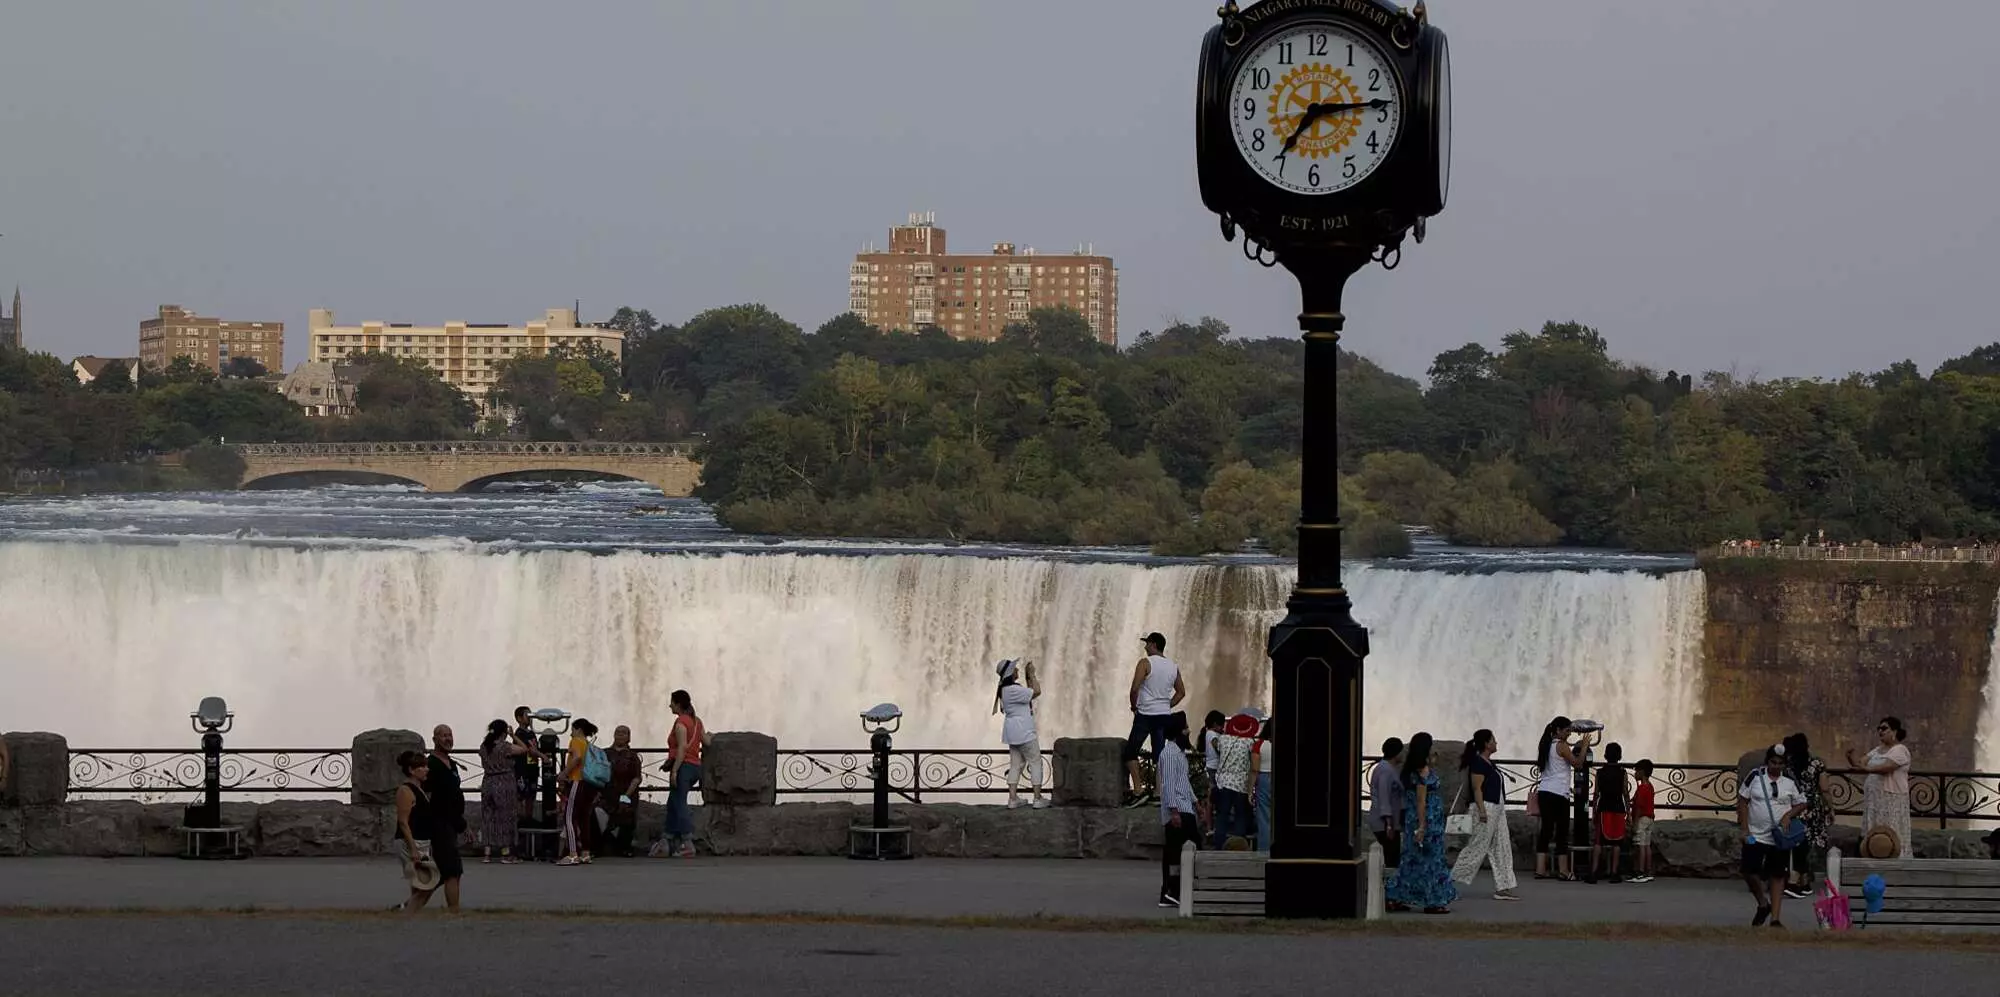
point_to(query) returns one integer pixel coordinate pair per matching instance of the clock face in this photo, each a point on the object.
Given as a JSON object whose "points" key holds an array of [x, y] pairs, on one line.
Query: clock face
{"points": [[1316, 108], [1443, 122]]}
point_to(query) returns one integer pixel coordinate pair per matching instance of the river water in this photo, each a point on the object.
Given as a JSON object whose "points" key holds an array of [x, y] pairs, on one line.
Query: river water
{"points": [[321, 613]]}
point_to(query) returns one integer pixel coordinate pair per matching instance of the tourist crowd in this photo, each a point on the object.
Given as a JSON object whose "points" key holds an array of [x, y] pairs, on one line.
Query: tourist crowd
{"points": [[1216, 792], [593, 807]]}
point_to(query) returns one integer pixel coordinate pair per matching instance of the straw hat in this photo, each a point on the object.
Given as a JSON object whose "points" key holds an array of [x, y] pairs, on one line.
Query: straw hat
{"points": [[1881, 843], [423, 872]]}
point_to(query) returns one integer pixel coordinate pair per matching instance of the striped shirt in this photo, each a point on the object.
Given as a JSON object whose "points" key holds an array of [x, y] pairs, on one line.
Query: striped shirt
{"points": [[1176, 793]]}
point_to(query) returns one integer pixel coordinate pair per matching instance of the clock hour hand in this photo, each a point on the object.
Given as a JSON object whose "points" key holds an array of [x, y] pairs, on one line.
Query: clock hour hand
{"points": [[1314, 112]]}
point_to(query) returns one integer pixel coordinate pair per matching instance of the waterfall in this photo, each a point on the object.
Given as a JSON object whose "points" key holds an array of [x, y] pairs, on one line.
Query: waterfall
{"points": [[112, 644], [1987, 745]]}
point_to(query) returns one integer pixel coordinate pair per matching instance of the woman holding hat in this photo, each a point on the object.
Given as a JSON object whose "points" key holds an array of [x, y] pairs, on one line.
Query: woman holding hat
{"points": [[1885, 796], [414, 825], [1015, 700]]}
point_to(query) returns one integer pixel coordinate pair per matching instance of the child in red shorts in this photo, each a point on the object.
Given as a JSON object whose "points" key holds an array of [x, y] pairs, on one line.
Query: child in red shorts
{"points": [[1614, 804]]}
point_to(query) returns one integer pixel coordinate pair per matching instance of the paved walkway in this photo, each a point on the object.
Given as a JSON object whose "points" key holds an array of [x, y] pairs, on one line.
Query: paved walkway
{"points": [[206, 955], [923, 888]]}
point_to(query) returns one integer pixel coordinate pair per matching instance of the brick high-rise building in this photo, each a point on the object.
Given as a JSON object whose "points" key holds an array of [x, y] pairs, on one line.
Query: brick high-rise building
{"points": [[974, 296], [209, 342]]}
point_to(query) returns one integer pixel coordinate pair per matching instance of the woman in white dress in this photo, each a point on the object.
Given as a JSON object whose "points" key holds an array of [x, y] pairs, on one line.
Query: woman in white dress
{"points": [[1885, 796], [1015, 701]]}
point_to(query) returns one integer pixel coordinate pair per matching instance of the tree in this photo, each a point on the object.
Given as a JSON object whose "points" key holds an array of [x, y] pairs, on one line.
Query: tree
{"points": [[244, 368], [183, 369], [1406, 487], [218, 467], [1489, 508], [114, 378]]}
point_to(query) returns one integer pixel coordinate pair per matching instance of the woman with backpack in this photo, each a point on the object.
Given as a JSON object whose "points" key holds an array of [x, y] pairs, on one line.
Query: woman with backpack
{"points": [[580, 791]]}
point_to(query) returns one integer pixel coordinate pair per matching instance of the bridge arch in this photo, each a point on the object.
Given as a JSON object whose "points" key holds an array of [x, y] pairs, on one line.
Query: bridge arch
{"points": [[310, 478], [531, 474]]}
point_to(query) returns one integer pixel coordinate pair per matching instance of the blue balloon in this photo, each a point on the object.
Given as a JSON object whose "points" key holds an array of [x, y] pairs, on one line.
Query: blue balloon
{"points": [[1874, 889]]}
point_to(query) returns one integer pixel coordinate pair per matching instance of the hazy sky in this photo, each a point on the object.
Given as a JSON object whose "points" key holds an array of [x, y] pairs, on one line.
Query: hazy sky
{"points": [[1788, 187]]}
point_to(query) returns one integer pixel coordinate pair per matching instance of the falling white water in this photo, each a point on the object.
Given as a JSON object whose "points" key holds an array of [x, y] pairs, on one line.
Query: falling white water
{"points": [[1452, 653], [113, 644], [1987, 744]]}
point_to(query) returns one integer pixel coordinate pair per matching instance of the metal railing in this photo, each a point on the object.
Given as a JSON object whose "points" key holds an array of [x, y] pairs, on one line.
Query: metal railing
{"points": [[327, 772], [1984, 554], [914, 773], [1944, 797], [465, 447]]}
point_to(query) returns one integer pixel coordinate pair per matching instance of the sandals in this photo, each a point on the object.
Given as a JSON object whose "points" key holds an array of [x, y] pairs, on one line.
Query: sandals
{"points": [[569, 860]]}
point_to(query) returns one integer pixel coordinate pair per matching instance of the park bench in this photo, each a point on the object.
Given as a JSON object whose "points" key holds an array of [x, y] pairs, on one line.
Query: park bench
{"points": [[1955, 892], [1231, 884]]}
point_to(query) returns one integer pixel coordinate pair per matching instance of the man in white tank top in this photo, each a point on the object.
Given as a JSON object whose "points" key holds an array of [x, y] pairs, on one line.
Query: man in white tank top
{"points": [[1156, 690]]}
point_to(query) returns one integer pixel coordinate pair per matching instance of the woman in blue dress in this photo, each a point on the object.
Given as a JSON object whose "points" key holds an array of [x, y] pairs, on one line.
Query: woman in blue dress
{"points": [[1423, 880]]}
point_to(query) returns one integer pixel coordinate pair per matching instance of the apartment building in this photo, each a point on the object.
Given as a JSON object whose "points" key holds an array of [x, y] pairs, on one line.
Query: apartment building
{"points": [[464, 354], [210, 342], [918, 283]]}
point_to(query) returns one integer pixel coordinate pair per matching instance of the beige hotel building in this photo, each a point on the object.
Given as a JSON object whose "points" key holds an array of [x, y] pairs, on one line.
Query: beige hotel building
{"points": [[464, 354], [975, 295], [209, 342]]}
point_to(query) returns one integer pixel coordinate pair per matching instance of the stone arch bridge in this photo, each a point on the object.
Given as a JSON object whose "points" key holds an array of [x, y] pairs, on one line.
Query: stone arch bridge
{"points": [[469, 465]]}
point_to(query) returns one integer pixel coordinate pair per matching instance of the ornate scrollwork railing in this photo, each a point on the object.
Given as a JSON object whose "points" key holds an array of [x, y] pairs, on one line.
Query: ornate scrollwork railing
{"points": [[260, 770], [483, 448], [912, 773], [1940, 797], [1936, 798]]}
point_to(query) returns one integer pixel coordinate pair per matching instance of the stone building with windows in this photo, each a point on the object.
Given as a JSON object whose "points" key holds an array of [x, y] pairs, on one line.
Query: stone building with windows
{"points": [[918, 283], [10, 325], [209, 342], [465, 355]]}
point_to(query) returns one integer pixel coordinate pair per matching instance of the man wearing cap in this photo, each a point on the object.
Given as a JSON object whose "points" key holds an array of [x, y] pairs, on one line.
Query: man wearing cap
{"points": [[1156, 690]]}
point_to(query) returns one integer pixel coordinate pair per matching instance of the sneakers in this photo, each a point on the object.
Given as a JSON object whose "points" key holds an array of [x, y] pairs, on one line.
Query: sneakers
{"points": [[1798, 892], [1041, 803], [1134, 801], [1640, 878], [1169, 900], [1014, 804], [1763, 914], [1506, 895]]}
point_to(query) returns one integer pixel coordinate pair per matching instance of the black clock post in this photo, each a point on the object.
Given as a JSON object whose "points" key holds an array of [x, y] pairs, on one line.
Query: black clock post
{"points": [[1323, 135]]}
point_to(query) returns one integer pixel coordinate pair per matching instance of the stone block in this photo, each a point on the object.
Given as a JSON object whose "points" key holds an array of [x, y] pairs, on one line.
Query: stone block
{"points": [[12, 842], [740, 768], [1089, 771], [157, 834], [791, 829], [375, 775], [1024, 833], [315, 828], [100, 829], [1119, 833], [38, 773], [936, 830], [1703, 848]]}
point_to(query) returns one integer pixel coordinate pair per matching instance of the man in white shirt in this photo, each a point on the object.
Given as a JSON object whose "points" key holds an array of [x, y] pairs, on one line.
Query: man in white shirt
{"points": [[1765, 803], [1156, 691]]}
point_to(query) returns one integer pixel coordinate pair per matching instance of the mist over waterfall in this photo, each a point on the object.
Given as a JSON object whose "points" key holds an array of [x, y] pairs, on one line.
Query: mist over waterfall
{"points": [[112, 644]]}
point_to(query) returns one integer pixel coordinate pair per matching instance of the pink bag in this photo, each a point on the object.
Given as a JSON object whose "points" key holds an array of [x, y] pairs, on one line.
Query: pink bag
{"points": [[1831, 908]]}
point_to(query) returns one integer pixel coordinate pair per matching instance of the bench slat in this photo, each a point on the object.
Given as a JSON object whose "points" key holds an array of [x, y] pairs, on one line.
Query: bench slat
{"points": [[1224, 860], [1902, 892], [1907, 905], [1229, 888], [1205, 876], [1918, 917], [1852, 878], [1228, 910]]}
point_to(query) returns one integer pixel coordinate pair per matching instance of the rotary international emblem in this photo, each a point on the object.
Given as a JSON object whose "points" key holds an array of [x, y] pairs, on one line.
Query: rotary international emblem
{"points": [[1316, 83]]}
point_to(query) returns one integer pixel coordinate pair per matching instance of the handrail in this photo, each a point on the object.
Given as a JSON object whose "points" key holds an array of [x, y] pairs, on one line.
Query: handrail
{"points": [[913, 772], [1984, 554], [462, 447]]}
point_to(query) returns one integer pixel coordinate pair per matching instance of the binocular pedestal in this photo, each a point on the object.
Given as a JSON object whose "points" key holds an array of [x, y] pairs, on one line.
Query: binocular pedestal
{"points": [[879, 839]]}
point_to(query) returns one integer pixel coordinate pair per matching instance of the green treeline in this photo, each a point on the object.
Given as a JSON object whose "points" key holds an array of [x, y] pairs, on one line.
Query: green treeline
{"points": [[1186, 441]]}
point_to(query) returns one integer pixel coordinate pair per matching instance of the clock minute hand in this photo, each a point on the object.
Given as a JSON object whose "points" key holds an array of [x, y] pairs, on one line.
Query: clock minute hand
{"points": [[1314, 112]]}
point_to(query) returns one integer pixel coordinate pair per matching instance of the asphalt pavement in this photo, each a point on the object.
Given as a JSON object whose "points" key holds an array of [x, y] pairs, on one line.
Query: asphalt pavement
{"points": [[922, 888], [275, 955]]}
